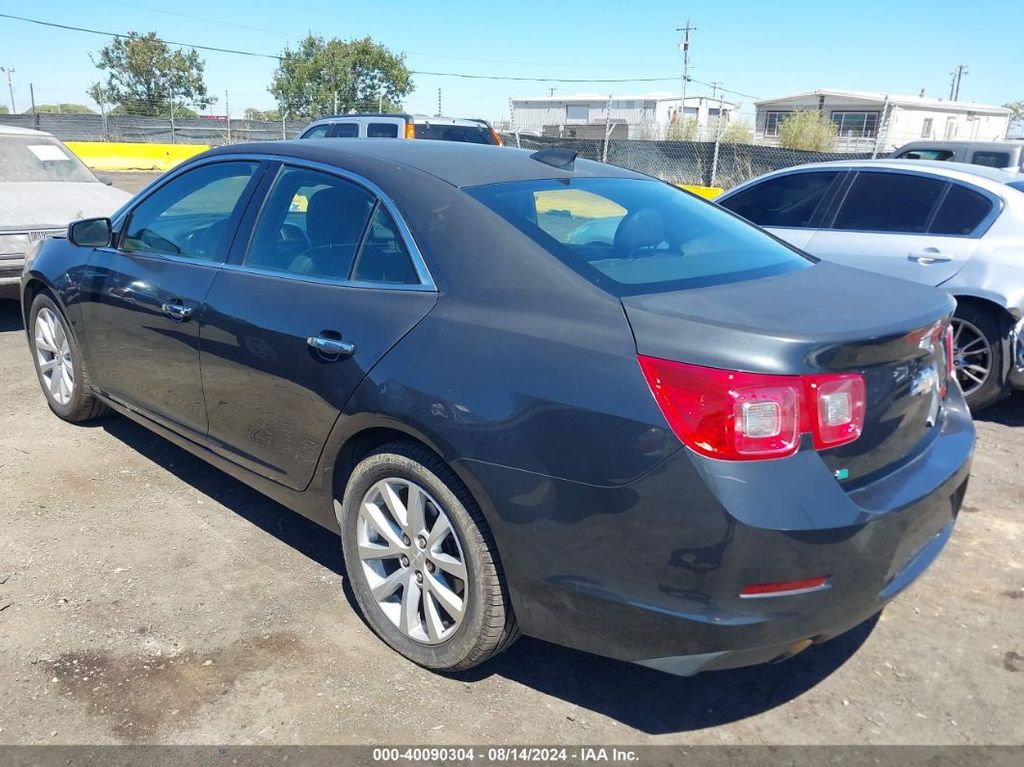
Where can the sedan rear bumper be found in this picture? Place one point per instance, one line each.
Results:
(651, 572)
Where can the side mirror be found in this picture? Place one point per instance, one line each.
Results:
(90, 233)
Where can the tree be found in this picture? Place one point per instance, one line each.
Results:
(737, 132)
(68, 109)
(266, 115)
(146, 77)
(325, 76)
(687, 129)
(4, 110)
(806, 129)
(1016, 113)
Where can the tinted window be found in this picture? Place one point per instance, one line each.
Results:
(382, 130)
(926, 154)
(961, 212)
(888, 202)
(383, 257)
(317, 131)
(345, 130)
(992, 159)
(468, 134)
(310, 225)
(190, 216)
(636, 236)
(1018, 185)
(782, 201)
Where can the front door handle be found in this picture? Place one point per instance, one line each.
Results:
(929, 256)
(331, 348)
(176, 310)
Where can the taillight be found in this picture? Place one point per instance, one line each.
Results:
(840, 408)
(410, 130)
(735, 415)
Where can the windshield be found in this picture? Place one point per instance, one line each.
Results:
(39, 158)
(633, 236)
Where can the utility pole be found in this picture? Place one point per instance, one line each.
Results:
(685, 45)
(10, 86)
(954, 86)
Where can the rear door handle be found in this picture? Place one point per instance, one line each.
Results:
(331, 348)
(176, 310)
(929, 256)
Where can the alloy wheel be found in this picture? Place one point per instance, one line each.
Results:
(412, 560)
(972, 356)
(53, 355)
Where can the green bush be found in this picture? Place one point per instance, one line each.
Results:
(806, 129)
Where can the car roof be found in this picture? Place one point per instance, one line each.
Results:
(993, 179)
(414, 118)
(12, 130)
(940, 144)
(456, 163)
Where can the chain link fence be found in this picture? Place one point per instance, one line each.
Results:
(705, 163)
(214, 131)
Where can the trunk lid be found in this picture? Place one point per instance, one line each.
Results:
(823, 319)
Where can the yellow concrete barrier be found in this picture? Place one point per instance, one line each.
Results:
(110, 156)
(707, 192)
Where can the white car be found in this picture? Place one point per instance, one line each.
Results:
(956, 226)
(43, 188)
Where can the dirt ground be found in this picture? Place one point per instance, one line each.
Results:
(147, 597)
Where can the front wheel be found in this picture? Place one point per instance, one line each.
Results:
(978, 355)
(421, 560)
(59, 364)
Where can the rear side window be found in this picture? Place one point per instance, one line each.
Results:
(789, 200)
(888, 202)
(345, 130)
(383, 257)
(631, 236)
(991, 159)
(468, 134)
(382, 130)
(961, 212)
(310, 225)
(317, 131)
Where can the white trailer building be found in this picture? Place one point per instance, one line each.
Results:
(586, 115)
(884, 121)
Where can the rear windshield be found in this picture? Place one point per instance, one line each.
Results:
(631, 236)
(39, 158)
(467, 134)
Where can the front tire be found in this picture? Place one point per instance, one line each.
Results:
(978, 355)
(59, 364)
(421, 560)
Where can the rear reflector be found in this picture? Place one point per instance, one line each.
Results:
(734, 415)
(784, 588)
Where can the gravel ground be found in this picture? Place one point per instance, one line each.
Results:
(146, 597)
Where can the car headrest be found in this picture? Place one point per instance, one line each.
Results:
(336, 215)
(643, 228)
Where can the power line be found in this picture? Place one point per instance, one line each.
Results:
(276, 57)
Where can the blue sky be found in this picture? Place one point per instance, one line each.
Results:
(758, 48)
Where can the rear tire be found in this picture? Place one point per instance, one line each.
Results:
(438, 598)
(59, 364)
(978, 355)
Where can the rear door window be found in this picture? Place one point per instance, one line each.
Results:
(926, 154)
(382, 130)
(632, 236)
(961, 212)
(889, 202)
(991, 159)
(787, 201)
(345, 130)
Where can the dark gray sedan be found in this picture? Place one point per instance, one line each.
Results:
(686, 444)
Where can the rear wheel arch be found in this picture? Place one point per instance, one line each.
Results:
(995, 322)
